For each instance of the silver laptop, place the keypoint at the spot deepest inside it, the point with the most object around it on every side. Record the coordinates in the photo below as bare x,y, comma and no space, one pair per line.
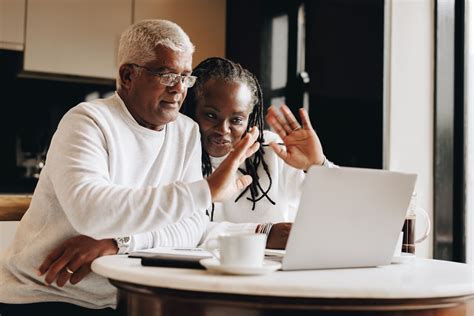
347,218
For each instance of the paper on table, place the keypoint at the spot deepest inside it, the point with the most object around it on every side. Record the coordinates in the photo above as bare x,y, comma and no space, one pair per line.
193,252
184,252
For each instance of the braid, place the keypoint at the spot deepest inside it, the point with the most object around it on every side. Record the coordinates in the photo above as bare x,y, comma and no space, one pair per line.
228,71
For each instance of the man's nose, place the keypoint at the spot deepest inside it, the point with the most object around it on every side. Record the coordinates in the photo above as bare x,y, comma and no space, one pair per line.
179,87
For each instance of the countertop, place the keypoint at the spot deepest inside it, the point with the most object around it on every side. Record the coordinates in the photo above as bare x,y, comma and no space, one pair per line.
13,206
419,278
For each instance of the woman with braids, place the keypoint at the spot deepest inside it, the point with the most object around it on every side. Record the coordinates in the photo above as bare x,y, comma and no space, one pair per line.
226,101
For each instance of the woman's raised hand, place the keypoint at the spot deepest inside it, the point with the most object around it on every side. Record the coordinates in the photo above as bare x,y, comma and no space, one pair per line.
302,146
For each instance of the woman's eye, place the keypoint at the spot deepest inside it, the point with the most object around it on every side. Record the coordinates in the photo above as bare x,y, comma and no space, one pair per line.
237,120
210,115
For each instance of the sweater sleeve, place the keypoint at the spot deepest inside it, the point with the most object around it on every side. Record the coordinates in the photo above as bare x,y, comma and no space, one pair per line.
185,233
97,207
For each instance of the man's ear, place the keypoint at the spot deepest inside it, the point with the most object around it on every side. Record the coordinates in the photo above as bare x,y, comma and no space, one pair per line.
126,72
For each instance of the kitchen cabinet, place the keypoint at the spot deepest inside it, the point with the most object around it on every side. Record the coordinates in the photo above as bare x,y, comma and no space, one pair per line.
75,37
12,24
80,37
204,21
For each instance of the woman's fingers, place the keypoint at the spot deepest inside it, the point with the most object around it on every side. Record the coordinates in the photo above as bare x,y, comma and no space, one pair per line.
279,150
279,124
305,119
285,125
275,125
290,118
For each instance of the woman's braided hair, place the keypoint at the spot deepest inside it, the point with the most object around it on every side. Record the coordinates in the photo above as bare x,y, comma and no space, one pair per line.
228,71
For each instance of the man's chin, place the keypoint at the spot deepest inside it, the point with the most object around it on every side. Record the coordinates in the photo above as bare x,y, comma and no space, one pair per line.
168,117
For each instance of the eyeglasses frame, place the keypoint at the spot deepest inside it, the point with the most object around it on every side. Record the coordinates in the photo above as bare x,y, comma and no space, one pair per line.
162,76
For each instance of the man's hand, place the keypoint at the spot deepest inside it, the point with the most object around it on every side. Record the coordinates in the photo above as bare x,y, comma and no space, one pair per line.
303,148
278,236
74,255
223,182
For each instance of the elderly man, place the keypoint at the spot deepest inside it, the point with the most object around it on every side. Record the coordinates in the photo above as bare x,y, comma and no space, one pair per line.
121,166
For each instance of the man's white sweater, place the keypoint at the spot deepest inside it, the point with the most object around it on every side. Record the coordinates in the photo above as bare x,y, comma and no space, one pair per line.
106,176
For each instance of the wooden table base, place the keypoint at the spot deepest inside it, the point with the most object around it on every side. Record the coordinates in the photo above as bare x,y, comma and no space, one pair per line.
144,300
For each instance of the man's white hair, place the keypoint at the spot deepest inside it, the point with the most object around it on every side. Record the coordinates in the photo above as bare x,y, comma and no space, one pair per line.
138,42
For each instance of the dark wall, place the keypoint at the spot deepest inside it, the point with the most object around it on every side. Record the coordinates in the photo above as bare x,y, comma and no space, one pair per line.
243,35
345,62
345,47
30,112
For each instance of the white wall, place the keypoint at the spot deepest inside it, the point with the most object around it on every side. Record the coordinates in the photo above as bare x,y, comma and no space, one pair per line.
409,98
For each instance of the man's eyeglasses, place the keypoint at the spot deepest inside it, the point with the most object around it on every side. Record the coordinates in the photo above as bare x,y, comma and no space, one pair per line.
170,79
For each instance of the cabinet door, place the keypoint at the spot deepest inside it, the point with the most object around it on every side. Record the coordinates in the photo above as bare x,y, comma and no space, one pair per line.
12,24
204,21
75,37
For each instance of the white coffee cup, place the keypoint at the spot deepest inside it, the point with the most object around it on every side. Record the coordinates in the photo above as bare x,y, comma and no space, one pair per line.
240,250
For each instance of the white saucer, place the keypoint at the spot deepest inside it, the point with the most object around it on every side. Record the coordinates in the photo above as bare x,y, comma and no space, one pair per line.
405,257
212,264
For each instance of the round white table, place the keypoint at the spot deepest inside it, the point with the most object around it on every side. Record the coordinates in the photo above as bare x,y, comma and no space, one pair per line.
419,287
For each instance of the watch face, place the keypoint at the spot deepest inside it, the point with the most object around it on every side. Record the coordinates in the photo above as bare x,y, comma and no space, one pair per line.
123,243
123,240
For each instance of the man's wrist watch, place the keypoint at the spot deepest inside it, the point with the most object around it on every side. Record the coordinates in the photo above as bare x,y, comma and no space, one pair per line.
123,244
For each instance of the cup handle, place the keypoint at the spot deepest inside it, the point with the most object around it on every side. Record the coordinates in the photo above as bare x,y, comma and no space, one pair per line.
428,225
212,245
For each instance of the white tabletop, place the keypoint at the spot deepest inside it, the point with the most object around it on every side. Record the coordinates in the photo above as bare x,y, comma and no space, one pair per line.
420,278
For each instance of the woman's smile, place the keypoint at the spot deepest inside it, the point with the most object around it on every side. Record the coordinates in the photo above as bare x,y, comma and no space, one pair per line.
220,141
